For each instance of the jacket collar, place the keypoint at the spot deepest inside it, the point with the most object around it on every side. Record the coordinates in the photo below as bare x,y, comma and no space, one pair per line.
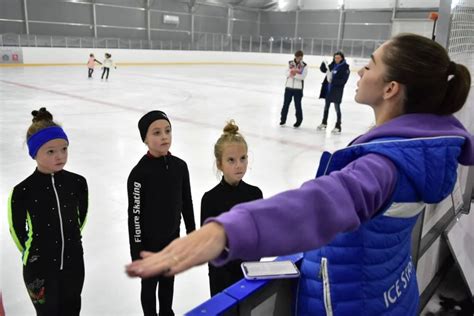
230,187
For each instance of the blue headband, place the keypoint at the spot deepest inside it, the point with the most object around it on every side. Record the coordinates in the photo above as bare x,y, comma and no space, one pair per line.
38,139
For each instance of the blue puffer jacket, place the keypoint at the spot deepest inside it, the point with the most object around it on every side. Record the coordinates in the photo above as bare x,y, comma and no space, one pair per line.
369,271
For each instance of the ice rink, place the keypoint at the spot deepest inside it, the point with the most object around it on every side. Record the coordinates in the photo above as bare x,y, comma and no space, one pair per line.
100,118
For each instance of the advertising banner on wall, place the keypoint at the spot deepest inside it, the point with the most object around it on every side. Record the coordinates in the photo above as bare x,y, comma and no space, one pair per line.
13,55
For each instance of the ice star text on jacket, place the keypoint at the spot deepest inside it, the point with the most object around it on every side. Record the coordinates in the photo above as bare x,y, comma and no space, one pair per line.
396,290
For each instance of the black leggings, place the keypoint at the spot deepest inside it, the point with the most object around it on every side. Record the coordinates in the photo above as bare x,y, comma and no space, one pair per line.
338,112
165,295
57,293
91,70
165,288
106,69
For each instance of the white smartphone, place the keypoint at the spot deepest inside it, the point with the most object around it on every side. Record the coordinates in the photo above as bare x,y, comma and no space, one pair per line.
269,270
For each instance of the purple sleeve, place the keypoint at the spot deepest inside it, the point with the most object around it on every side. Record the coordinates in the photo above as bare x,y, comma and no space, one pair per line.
311,216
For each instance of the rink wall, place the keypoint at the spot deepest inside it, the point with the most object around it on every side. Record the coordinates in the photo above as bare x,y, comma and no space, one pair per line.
44,56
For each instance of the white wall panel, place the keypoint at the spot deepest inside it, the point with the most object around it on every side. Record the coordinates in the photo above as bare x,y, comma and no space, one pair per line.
42,55
421,27
430,263
319,4
418,3
364,4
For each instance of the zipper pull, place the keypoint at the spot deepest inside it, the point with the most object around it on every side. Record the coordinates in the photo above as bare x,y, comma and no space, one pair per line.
166,163
322,267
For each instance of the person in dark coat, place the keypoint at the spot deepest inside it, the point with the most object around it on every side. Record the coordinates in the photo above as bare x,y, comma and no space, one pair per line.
333,87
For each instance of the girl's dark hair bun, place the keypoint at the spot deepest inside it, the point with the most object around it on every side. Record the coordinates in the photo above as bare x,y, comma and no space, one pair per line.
41,115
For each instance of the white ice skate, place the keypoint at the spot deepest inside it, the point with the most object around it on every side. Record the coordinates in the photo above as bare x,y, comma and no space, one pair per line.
322,127
336,131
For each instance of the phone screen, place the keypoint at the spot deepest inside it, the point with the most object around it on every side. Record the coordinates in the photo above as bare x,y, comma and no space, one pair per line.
269,269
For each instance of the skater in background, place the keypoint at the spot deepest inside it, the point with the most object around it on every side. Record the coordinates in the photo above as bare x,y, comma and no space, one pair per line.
356,218
158,193
91,64
47,212
295,75
230,152
337,74
106,65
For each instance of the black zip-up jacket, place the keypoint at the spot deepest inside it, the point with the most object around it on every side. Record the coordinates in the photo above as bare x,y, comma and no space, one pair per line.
220,200
225,196
46,215
158,193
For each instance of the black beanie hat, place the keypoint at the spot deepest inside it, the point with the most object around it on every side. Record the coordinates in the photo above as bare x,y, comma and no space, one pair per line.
149,118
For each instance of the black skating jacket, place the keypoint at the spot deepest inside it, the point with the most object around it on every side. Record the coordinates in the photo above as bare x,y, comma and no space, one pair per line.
220,200
225,196
46,215
158,193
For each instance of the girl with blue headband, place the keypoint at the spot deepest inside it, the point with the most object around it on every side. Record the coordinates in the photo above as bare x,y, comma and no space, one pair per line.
46,214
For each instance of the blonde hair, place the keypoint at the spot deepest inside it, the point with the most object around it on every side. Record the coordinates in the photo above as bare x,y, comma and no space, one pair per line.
230,135
41,120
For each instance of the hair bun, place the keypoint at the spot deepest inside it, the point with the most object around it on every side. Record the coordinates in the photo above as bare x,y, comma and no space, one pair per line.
231,128
41,115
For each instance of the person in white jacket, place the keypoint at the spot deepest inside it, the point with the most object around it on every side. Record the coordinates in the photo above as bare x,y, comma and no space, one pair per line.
106,65
295,75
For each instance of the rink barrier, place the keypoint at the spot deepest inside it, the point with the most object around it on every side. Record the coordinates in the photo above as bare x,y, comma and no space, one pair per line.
42,56
149,64
162,64
259,297
353,69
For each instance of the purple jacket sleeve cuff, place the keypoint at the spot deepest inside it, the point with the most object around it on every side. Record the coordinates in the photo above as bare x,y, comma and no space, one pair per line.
235,223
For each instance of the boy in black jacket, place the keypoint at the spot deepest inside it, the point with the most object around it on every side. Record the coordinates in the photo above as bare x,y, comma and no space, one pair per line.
158,193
